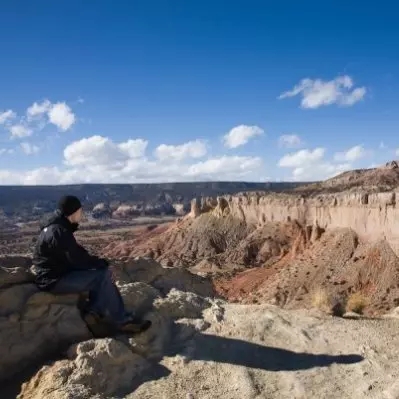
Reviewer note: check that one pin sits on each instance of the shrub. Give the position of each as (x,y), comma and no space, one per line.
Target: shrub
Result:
(357,302)
(320,300)
(338,305)
(333,304)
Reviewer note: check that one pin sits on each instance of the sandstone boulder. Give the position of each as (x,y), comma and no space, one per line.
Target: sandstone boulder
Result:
(33,324)
(138,297)
(36,325)
(33,327)
(148,271)
(15,270)
(14,298)
(100,368)
(179,304)
(152,344)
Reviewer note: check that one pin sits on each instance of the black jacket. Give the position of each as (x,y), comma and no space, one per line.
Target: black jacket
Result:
(57,252)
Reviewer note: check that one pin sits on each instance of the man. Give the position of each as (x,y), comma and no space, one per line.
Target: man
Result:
(63,266)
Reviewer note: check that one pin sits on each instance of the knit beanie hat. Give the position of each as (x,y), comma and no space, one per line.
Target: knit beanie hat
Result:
(69,204)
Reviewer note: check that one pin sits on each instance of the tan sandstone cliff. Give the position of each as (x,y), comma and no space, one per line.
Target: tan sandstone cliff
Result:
(372,216)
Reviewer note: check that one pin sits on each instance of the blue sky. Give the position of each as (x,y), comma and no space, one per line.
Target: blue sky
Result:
(131,91)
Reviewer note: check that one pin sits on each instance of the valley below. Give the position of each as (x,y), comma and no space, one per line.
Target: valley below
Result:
(253,294)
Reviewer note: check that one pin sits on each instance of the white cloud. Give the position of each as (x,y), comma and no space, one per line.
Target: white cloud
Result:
(316,93)
(37,116)
(37,109)
(397,152)
(61,115)
(353,154)
(191,149)
(37,176)
(353,97)
(290,141)
(308,165)
(301,158)
(225,167)
(319,171)
(134,148)
(99,159)
(4,151)
(7,116)
(29,149)
(382,146)
(240,135)
(94,151)
(19,131)
(222,168)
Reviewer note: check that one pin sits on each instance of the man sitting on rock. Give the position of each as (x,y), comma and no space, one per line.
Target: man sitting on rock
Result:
(62,266)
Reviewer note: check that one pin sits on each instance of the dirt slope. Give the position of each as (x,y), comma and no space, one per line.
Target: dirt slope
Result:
(187,242)
(264,352)
(337,264)
(210,244)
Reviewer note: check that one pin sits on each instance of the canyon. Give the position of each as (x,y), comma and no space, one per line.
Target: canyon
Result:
(284,248)
(258,294)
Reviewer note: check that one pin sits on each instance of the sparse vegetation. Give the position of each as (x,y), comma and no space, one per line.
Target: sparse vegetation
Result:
(320,300)
(338,305)
(357,302)
(335,304)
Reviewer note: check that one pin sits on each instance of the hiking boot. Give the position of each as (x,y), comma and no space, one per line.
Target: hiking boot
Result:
(97,325)
(135,326)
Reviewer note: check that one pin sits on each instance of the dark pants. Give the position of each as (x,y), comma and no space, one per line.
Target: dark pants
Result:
(104,297)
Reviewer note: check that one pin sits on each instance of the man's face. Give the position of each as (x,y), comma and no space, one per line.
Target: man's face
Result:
(77,216)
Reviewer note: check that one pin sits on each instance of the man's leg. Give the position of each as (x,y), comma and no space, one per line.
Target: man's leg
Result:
(104,296)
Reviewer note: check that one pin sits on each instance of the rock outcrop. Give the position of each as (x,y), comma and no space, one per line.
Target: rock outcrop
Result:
(391,165)
(37,325)
(101,210)
(125,211)
(164,279)
(33,325)
(372,216)
(101,368)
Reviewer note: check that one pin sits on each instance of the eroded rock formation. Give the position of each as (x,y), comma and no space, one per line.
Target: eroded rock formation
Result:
(372,216)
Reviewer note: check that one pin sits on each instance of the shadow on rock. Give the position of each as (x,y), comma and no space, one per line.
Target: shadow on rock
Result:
(248,354)
(156,372)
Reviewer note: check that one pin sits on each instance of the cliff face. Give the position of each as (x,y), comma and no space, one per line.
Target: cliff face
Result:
(372,216)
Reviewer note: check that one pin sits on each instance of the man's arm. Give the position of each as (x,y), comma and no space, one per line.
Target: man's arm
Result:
(95,261)
(76,255)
